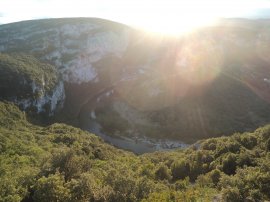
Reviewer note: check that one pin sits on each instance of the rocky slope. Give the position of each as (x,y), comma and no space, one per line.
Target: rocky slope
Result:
(213,81)
(33,85)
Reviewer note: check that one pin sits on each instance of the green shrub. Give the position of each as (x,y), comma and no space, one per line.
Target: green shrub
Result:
(163,173)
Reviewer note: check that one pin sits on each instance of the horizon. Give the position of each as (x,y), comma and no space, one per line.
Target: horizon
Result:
(180,15)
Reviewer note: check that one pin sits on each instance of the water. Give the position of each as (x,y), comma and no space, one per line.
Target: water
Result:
(138,146)
(123,143)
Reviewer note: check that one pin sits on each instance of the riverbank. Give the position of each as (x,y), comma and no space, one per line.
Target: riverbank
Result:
(138,145)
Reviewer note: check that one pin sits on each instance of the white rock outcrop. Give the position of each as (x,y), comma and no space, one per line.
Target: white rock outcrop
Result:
(53,99)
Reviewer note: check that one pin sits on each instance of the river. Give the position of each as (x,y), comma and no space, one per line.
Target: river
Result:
(136,145)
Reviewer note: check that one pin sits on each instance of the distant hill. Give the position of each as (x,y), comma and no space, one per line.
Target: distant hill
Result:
(212,82)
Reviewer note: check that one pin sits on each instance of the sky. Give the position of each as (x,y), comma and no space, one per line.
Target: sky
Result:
(131,12)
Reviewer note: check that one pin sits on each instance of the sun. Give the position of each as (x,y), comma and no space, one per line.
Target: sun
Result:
(173,17)
(177,25)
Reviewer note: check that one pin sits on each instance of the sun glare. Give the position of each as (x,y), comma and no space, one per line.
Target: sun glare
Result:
(178,17)
(170,17)
(177,25)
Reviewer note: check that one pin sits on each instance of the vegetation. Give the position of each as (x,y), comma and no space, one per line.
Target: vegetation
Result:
(220,110)
(18,74)
(62,163)
(111,121)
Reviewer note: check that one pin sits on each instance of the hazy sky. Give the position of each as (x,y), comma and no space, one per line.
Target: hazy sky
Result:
(134,12)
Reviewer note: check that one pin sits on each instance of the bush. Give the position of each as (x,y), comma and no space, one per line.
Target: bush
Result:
(215,176)
(163,173)
(51,188)
(180,169)
(229,164)
(231,194)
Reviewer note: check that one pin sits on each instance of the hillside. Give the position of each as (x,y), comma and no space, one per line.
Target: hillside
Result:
(200,101)
(33,85)
(63,163)
(182,88)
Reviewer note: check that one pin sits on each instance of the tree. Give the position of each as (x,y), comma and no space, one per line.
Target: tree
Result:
(180,169)
(229,164)
(70,164)
(268,145)
(163,173)
(51,188)
(215,176)
(231,194)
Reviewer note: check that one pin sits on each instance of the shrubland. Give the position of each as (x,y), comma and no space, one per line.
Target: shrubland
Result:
(63,163)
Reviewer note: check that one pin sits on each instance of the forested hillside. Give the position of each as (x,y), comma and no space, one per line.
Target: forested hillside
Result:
(31,84)
(62,163)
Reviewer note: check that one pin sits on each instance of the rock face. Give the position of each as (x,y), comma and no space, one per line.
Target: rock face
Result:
(201,84)
(46,102)
(33,85)
(71,45)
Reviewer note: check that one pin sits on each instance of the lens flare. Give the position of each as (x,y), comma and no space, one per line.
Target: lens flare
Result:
(263,44)
(181,70)
(199,61)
